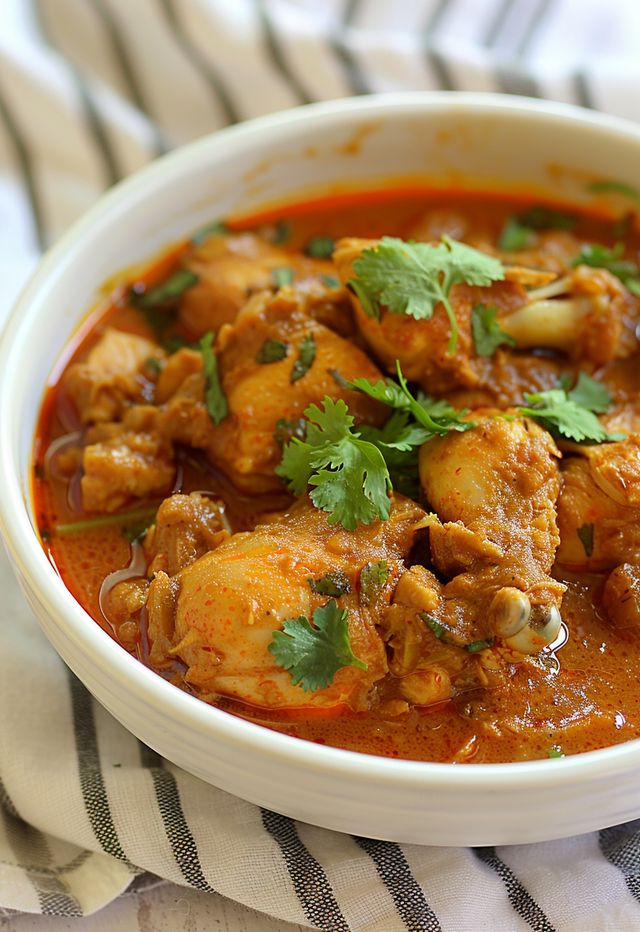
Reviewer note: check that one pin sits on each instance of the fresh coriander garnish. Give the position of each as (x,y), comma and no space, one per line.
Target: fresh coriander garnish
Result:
(215,400)
(601,257)
(166,293)
(320,247)
(372,579)
(286,429)
(335,584)
(174,343)
(348,475)
(476,646)
(436,416)
(605,186)
(486,331)
(444,633)
(585,533)
(152,365)
(330,281)
(136,532)
(272,351)
(441,631)
(517,232)
(412,278)
(590,394)
(306,357)
(313,654)
(555,752)
(281,233)
(216,228)
(282,276)
(560,414)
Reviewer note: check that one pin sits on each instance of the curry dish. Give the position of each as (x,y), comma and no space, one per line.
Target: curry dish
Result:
(367,472)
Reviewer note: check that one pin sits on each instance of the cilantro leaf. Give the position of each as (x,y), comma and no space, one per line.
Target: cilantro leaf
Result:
(271,351)
(590,394)
(562,415)
(412,278)
(313,654)
(283,275)
(517,232)
(514,236)
(348,475)
(336,584)
(605,186)
(320,247)
(213,395)
(216,228)
(372,578)
(166,293)
(306,357)
(601,257)
(585,533)
(487,333)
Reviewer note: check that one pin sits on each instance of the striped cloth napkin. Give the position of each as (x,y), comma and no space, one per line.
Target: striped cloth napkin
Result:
(89,91)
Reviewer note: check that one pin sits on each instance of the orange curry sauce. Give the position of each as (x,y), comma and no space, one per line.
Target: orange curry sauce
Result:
(583,697)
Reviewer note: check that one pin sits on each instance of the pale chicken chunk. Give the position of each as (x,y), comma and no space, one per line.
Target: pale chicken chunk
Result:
(231,268)
(109,376)
(599,506)
(494,491)
(232,600)
(259,393)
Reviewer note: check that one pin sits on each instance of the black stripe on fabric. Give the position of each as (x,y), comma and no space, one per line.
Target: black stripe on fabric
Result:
(183,844)
(406,892)
(584,96)
(309,880)
(621,847)
(495,23)
(94,792)
(191,51)
(272,45)
(32,853)
(25,163)
(121,54)
(434,57)
(520,898)
(535,22)
(353,73)
(90,110)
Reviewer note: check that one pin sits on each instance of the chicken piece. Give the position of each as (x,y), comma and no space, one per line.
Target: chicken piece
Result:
(494,490)
(621,598)
(101,384)
(232,600)
(231,268)
(587,314)
(186,527)
(260,394)
(599,506)
(422,346)
(124,461)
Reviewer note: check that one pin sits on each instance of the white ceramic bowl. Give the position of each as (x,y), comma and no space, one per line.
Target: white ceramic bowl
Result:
(476,140)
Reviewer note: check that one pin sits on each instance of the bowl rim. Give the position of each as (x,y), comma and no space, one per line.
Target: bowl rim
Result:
(30,560)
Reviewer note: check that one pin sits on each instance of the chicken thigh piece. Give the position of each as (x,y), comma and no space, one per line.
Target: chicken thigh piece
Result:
(494,492)
(273,363)
(232,600)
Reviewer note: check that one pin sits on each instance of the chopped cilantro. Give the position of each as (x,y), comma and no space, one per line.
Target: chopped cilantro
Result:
(330,281)
(272,351)
(166,293)
(282,276)
(217,228)
(372,579)
(174,343)
(306,357)
(136,532)
(601,257)
(413,278)
(215,400)
(561,414)
(487,333)
(514,236)
(476,646)
(320,247)
(441,631)
(348,475)
(153,365)
(281,233)
(444,633)
(605,186)
(517,232)
(585,533)
(125,519)
(335,584)
(590,394)
(313,653)
(286,429)
(556,752)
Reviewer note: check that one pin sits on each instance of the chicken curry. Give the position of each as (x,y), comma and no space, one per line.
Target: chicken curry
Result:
(367,472)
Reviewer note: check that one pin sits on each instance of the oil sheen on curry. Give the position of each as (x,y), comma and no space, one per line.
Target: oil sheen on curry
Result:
(367,471)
